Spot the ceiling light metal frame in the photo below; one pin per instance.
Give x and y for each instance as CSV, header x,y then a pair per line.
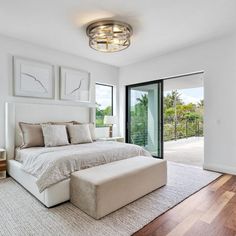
x,y
104,38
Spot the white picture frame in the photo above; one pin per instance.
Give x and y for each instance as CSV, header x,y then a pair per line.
x,y
75,85
34,79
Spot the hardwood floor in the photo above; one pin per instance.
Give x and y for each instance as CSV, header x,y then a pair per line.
x,y
209,212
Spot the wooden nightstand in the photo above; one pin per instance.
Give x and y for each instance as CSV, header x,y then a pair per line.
x,y
116,139
3,163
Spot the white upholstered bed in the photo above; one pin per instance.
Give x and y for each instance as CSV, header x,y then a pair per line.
x,y
45,172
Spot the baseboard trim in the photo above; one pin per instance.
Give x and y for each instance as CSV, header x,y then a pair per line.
x,y
220,168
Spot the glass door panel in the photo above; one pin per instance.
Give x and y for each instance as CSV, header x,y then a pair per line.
x,y
144,116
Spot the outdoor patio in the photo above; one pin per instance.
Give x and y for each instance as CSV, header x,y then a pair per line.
x,y
187,151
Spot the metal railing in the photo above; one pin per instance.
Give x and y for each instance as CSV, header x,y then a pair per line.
x,y
172,131
182,129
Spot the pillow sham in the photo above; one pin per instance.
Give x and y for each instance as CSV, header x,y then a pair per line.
x,y
55,135
79,134
91,128
66,123
32,135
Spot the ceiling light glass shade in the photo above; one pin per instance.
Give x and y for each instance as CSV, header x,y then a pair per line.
x,y
109,36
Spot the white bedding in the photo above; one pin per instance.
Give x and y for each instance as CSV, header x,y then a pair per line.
x,y
54,164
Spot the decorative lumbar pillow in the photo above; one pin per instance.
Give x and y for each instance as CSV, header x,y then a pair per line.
x,y
32,135
79,134
91,128
55,135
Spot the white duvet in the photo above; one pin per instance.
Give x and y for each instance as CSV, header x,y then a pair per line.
x,y
52,165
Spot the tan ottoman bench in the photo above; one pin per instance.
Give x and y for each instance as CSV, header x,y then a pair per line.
x,y
103,189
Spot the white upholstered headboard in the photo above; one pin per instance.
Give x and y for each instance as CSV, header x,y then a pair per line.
x,y
37,113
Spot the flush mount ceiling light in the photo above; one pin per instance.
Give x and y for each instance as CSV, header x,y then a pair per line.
x,y
109,35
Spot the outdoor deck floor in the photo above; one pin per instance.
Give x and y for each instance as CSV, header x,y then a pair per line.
x,y
187,151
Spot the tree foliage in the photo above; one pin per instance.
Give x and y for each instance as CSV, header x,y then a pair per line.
x,y
172,98
139,121
180,119
100,113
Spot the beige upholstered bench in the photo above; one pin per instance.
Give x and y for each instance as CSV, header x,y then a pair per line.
x,y
103,189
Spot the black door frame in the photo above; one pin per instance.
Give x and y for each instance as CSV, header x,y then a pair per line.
x,y
160,104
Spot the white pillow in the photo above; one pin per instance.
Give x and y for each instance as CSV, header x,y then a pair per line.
x,y
79,134
91,127
55,135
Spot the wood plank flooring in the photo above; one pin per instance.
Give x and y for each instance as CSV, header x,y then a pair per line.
x,y
209,212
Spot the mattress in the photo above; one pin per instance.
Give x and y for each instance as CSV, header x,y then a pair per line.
x,y
51,196
50,165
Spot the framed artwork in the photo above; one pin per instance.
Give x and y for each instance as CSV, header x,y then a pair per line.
x,y
33,78
74,85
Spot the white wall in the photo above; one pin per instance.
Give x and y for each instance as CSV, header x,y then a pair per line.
x,y
217,59
8,47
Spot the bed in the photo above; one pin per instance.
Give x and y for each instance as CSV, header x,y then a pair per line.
x,y
45,172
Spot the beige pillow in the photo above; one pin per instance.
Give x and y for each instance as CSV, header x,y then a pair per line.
x,y
79,134
66,123
91,128
55,135
32,135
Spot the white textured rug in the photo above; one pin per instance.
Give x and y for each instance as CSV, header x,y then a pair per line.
x,y
22,214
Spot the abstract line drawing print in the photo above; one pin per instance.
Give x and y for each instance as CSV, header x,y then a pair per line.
x,y
36,80
78,88
75,85
33,78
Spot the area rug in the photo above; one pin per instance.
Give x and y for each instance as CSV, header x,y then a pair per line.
x,y
22,214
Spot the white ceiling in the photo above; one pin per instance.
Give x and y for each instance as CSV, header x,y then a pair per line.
x,y
160,26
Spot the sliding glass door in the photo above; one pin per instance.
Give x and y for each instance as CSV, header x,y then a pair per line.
x,y
144,116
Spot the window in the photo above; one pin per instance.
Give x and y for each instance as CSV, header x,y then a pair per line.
x,y
104,103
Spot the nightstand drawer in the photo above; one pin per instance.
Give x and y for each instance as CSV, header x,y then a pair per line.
x,y
3,165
